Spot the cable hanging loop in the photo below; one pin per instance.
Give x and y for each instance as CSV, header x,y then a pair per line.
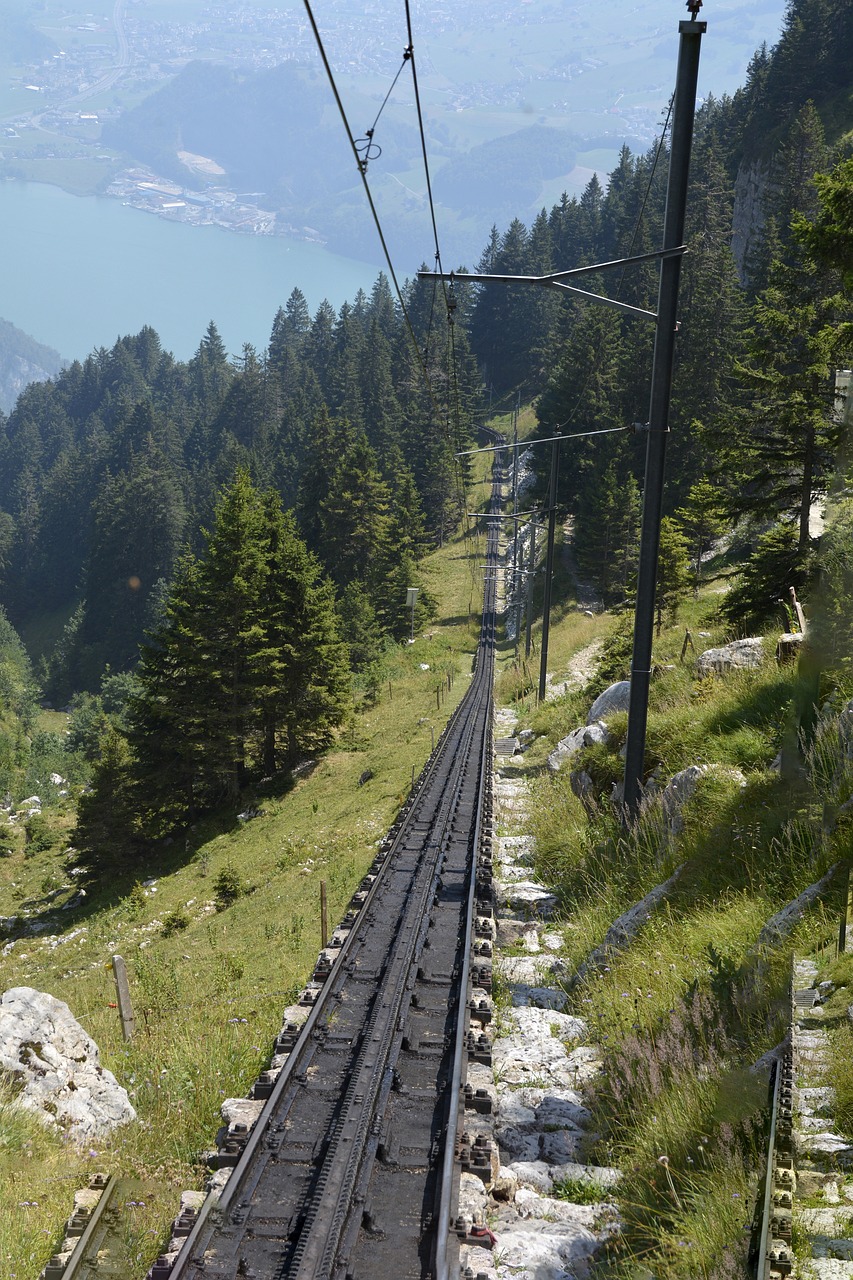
x,y
365,147
366,150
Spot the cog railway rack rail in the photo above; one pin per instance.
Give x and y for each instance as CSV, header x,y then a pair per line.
x,y
352,1167
349,1170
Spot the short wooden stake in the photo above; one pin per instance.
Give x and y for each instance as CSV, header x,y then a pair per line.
x,y
324,917
125,1008
390,692
432,736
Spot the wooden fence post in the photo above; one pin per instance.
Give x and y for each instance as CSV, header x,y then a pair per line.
x,y
125,1008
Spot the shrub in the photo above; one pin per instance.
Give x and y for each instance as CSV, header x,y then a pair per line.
x,y
39,835
174,921
228,887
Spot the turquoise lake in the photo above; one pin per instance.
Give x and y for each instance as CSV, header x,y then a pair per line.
x,y
80,271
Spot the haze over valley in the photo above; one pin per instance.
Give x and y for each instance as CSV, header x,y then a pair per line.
x,y
211,117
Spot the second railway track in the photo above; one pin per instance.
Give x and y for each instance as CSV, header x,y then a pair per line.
x,y
351,1170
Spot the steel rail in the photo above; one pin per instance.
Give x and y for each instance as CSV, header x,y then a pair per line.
x,y
314,1257
454,773
74,1267
219,1203
761,1269
449,1182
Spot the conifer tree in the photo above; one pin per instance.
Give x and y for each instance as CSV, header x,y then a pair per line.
x,y
672,582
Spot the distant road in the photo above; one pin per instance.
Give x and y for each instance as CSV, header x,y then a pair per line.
x,y
107,81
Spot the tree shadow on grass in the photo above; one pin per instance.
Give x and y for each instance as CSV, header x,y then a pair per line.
x,y
103,890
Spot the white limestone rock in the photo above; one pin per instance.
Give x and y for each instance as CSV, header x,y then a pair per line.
x,y
827,1144
56,1066
529,997
682,787
531,1249
530,1204
780,925
527,896
740,655
615,698
623,929
241,1111
534,1049
473,1198
586,736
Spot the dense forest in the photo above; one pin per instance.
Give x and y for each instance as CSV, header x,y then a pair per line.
x,y
128,480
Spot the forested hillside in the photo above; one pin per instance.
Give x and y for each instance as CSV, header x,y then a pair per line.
x,y
111,473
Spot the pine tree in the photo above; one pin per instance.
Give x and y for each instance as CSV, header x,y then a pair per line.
x,y
702,520
782,445
107,835
672,582
606,531
302,671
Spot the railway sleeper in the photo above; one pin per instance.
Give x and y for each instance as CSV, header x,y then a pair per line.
x,y
85,1201
477,1100
479,1048
480,1010
481,976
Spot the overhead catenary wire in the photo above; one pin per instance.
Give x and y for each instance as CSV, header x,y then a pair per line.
x,y
593,368
527,444
362,169
367,140
362,165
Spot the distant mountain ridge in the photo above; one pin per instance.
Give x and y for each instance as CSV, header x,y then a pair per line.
x,y
22,361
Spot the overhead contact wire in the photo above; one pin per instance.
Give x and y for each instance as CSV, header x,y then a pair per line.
x,y
362,169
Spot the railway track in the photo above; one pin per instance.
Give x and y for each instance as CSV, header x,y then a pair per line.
x,y
353,1164
90,1233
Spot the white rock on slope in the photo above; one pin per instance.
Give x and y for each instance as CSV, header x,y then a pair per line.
x,y
56,1066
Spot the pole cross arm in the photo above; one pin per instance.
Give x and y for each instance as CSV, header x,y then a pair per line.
x,y
557,279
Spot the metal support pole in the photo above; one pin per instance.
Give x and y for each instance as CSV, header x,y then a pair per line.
x,y
531,568
324,917
549,567
670,271
515,520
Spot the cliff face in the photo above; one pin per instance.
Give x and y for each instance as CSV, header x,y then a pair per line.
x,y
748,213
23,360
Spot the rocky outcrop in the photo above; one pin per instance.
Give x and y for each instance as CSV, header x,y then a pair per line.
x,y
22,361
55,1066
615,698
586,736
682,787
748,212
740,655
622,930
779,926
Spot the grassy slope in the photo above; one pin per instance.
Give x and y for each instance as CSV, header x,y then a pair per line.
x,y
691,988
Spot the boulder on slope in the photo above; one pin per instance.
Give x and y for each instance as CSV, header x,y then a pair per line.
x,y
55,1066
